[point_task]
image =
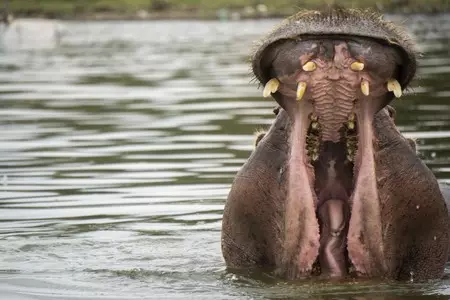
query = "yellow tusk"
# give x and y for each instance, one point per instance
(394, 86)
(271, 87)
(357, 66)
(309, 66)
(365, 87)
(301, 89)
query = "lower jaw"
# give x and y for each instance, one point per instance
(324, 214)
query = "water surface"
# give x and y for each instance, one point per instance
(118, 148)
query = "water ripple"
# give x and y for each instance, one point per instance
(119, 147)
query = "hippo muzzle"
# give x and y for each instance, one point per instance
(332, 72)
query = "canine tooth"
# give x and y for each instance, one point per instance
(349, 158)
(271, 87)
(309, 66)
(314, 125)
(394, 86)
(315, 157)
(365, 87)
(301, 88)
(357, 66)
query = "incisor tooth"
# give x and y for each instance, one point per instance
(309, 66)
(394, 86)
(365, 87)
(301, 89)
(271, 87)
(357, 66)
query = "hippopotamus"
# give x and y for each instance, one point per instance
(333, 189)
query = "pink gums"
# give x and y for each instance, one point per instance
(365, 242)
(301, 244)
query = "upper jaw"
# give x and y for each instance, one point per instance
(340, 23)
(332, 79)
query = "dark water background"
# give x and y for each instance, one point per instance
(118, 148)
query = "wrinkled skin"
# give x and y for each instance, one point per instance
(333, 189)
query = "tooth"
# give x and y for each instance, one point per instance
(351, 125)
(357, 66)
(309, 66)
(351, 117)
(315, 157)
(314, 125)
(271, 87)
(365, 87)
(349, 158)
(301, 88)
(394, 86)
(313, 117)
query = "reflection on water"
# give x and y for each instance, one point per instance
(118, 149)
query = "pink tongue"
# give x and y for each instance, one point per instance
(333, 215)
(301, 244)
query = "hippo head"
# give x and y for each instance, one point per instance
(332, 72)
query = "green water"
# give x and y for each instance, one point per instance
(118, 148)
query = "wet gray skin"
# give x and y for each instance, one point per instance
(333, 189)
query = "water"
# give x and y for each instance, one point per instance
(118, 148)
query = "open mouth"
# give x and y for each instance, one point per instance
(331, 86)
